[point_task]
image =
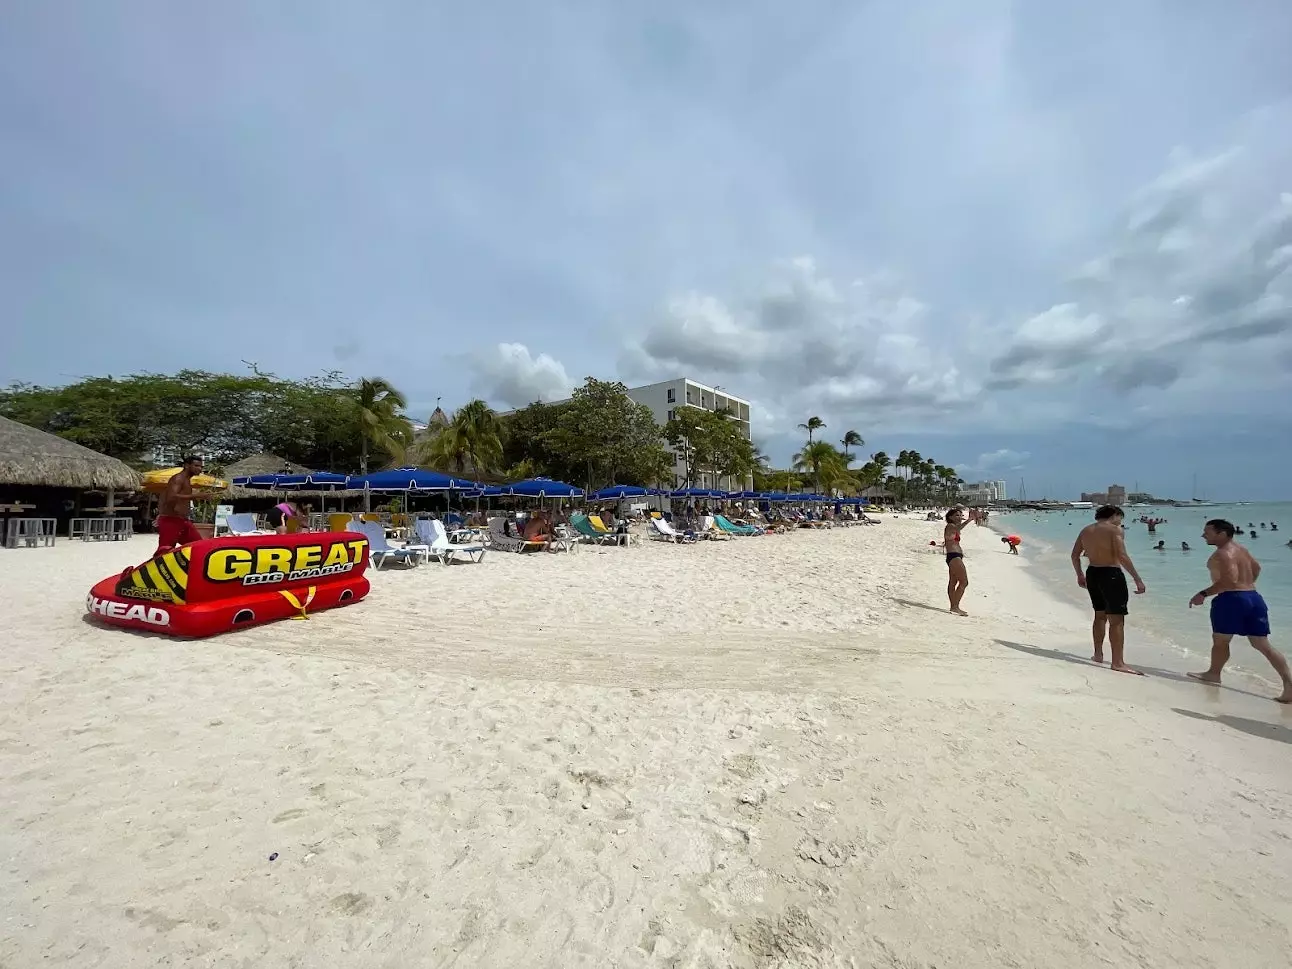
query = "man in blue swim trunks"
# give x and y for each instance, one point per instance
(1237, 609)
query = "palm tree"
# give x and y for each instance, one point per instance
(851, 440)
(948, 478)
(382, 424)
(813, 425)
(883, 462)
(471, 440)
(821, 458)
(482, 435)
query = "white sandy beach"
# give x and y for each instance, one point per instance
(767, 752)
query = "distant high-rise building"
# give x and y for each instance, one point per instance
(1115, 495)
(982, 492)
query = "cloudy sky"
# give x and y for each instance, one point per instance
(1038, 241)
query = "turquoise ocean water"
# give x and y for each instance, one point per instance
(1172, 576)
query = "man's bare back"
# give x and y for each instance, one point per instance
(1233, 569)
(1102, 544)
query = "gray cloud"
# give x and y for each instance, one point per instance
(806, 344)
(1196, 263)
(509, 374)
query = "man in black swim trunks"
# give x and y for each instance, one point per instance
(1104, 545)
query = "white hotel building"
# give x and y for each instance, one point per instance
(664, 399)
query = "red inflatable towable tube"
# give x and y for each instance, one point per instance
(219, 584)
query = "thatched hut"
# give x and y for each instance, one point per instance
(263, 463)
(30, 458)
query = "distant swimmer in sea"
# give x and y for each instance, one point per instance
(957, 574)
(1104, 545)
(1251, 534)
(1274, 526)
(1184, 546)
(1237, 609)
(1160, 546)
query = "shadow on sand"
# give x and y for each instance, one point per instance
(1257, 728)
(1147, 670)
(918, 605)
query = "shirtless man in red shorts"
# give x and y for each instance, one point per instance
(174, 526)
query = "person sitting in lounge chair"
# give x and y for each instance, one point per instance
(537, 528)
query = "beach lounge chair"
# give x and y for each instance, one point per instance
(380, 551)
(432, 533)
(244, 524)
(587, 532)
(732, 529)
(662, 530)
(620, 538)
(507, 543)
(709, 529)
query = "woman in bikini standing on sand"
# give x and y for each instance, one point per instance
(957, 575)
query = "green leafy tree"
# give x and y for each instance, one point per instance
(611, 436)
(527, 439)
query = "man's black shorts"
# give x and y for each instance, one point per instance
(1107, 587)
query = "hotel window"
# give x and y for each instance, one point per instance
(670, 413)
(672, 396)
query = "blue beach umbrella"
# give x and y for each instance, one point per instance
(411, 479)
(542, 488)
(620, 492)
(313, 481)
(697, 493)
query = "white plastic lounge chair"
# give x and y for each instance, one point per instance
(432, 532)
(244, 524)
(668, 532)
(379, 550)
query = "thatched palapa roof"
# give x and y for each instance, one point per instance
(263, 463)
(32, 457)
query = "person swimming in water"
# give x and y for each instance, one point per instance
(1237, 609)
(1160, 546)
(1184, 546)
(1104, 546)
(957, 574)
